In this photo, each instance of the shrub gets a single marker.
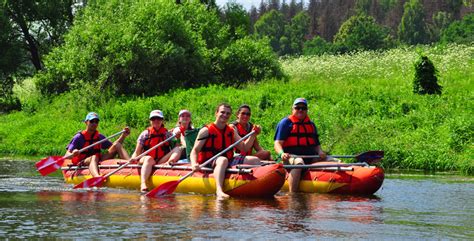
(361, 32)
(426, 79)
(248, 59)
(143, 47)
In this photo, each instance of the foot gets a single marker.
(144, 189)
(221, 195)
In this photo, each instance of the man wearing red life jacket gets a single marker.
(93, 156)
(297, 135)
(149, 138)
(216, 137)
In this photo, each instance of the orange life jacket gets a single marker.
(155, 137)
(242, 131)
(89, 139)
(302, 133)
(216, 141)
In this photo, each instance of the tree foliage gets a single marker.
(426, 77)
(296, 33)
(361, 32)
(412, 28)
(272, 26)
(247, 59)
(460, 31)
(141, 47)
(238, 20)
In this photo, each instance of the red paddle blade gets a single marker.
(163, 189)
(371, 157)
(49, 164)
(92, 182)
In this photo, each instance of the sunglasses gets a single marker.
(95, 121)
(301, 108)
(245, 113)
(155, 118)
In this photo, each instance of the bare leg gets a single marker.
(294, 179)
(147, 166)
(219, 175)
(117, 147)
(171, 157)
(93, 165)
(295, 175)
(252, 160)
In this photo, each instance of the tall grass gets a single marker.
(360, 102)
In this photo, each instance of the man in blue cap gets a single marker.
(93, 156)
(297, 135)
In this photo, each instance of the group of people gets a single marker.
(295, 135)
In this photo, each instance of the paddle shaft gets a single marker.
(217, 155)
(168, 167)
(311, 166)
(140, 156)
(317, 156)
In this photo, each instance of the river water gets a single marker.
(407, 207)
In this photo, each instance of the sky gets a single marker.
(246, 3)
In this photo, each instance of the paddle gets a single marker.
(52, 163)
(97, 181)
(369, 157)
(169, 187)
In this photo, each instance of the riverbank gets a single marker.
(359, 102)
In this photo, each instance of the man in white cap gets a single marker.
(149, 138)
(93, 156)
(297, 135)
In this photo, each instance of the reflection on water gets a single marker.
(424, 208)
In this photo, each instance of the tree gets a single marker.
(296, 32)
(271, 25)
(426, 77)
(40, 23)
(460, 31)
(441, 21)
(317, 46)
(142, 47)
(253, 17)
(361, 32)
(12, 58)
(238, 20)
(412, 28)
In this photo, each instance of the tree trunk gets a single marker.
(31, 43)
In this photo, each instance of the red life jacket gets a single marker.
(88, 140)
(302, 133)
(155, 137)
(216, 141)
(242, 131)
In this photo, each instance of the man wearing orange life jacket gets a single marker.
(297, 135)
(93, 156)
(150, 137)
(243, 127)
(216, 137)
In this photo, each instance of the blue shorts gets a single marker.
(183, 161)
(237, 160)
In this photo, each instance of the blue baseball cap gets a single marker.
(91, 116)
(300, 101)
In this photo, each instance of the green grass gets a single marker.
(359, 102)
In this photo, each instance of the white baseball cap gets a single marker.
(156, 113)
(183, 111)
